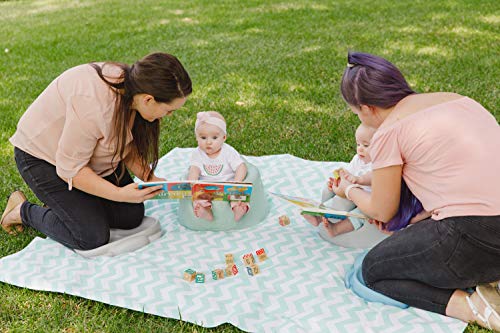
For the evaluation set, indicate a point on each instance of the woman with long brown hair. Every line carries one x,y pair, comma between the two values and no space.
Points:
76,143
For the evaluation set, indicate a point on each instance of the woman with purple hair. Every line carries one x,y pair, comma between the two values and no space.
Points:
443,146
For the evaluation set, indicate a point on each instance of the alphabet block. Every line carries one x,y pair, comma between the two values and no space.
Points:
284,220
253,270
189,275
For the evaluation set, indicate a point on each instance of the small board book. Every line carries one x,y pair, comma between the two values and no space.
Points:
311,207
197,189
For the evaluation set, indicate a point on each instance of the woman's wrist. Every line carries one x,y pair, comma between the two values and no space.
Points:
349,188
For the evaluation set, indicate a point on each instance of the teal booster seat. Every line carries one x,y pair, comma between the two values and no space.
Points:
223,214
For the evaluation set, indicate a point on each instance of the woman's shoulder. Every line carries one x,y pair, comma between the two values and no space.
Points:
413,105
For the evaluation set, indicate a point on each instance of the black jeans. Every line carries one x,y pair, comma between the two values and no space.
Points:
424,264
74,218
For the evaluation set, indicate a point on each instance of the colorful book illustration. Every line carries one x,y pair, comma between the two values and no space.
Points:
311,207
197,189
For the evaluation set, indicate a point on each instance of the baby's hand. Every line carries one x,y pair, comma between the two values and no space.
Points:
332,182
351,178
329,184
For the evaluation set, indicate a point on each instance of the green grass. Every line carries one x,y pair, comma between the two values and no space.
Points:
271,67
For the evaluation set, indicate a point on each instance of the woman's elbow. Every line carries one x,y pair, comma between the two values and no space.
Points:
384,216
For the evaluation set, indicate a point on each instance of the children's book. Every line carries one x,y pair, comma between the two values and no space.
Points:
199,190
311,207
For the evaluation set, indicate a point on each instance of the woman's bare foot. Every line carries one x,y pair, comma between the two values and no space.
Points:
339,228
314,220
239,210
203,212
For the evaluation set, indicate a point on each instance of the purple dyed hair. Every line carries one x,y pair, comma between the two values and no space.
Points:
372,80
409,206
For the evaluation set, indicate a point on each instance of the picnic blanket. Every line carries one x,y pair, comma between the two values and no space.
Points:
300,287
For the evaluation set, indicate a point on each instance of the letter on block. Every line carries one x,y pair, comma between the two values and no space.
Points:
200,278
234,269
284,220
218,274
253,270
189,275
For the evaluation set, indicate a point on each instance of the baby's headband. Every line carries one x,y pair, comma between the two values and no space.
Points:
207,118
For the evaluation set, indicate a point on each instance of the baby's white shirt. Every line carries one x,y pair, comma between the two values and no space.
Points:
222,168
357,168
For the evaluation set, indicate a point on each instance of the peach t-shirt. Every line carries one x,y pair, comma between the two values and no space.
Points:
69,124
450,156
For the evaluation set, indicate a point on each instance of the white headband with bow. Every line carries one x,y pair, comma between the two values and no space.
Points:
207,118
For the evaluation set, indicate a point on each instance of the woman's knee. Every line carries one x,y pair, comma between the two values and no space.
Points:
132,218
94,237
367,266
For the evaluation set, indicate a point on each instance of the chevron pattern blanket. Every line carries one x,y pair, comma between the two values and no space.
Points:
300,287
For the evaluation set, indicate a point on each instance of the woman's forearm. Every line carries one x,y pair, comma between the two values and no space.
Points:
133,164
88,181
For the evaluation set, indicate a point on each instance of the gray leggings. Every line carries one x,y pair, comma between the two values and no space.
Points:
423,264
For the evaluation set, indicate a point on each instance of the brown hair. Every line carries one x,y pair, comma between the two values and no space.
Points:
160,75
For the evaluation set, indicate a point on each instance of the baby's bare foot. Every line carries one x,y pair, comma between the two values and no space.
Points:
203,212
314,220
330,228
239,211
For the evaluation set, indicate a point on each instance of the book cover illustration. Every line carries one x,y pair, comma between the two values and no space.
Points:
311,207
222,191
171,189
225,191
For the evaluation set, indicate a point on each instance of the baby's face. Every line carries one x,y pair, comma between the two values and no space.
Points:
210,139
363,137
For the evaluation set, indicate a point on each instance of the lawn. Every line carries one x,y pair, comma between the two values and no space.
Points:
272,68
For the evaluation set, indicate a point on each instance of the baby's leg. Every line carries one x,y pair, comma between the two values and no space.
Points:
239,209
335,229
203,209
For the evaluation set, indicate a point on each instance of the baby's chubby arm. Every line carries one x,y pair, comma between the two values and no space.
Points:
194,173
240,173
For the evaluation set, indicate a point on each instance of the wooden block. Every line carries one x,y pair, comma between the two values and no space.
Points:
217,274
284,220
261,254
253,270
229,270
189,275
336,174
248,259
200,278
262,257
229,259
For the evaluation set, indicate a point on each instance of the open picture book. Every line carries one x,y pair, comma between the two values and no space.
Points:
311,207
197,189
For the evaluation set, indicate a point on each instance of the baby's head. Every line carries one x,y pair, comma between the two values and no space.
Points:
364,135
210,130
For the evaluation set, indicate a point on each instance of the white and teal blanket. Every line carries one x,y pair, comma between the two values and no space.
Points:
300,287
